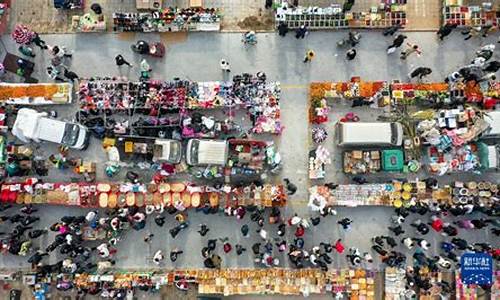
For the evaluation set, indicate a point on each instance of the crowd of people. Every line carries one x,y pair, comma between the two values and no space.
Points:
408,244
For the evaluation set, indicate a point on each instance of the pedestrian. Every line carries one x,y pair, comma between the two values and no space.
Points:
479,223
339,247
148,238
492,67
281,229
315,221
408,242
398,41
446,30
159,220
390,241
346,223
300,231
262,233
309,56
145,68
420,72
26,51
281,246
203,229
301,32
381,251
70,75
459,243
282,29
422,243
351,54
449,230
39,42
226,246
269,4
354,256
224,65
240,249
120,61
37,233
60,52
412,48
348,4
397,230
158,257
359,179
244,230
290,187
37,257
421,227
211,245
174,254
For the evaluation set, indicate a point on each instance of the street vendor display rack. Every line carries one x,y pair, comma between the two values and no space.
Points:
458,12
387,14
112,195
168,20
157,99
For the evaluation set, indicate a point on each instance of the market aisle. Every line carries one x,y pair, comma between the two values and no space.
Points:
281,59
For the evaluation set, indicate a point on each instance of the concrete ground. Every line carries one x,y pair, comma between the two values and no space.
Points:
197,58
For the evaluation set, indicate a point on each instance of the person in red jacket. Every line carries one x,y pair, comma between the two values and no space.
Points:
436,224
339,246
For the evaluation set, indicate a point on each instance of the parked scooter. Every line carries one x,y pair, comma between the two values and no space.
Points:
154,49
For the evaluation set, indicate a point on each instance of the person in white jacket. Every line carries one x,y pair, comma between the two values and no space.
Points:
158,257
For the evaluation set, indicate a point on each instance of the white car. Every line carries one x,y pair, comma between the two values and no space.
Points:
31,125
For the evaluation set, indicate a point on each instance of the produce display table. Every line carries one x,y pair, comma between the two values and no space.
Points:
36,94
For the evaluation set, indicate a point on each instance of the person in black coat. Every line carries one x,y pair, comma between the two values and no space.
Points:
445,30
492,67
282,29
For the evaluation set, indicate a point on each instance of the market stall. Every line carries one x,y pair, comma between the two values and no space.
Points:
404,194
89,22
358,284
449,140
168,20
113,195
166,102
250,157
394,283
388,13
419,93
463,14
36,94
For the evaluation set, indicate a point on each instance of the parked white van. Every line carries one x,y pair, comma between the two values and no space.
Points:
31,125
206,152
369,134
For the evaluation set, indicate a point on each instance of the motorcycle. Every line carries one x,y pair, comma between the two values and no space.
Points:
154,49
352,39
